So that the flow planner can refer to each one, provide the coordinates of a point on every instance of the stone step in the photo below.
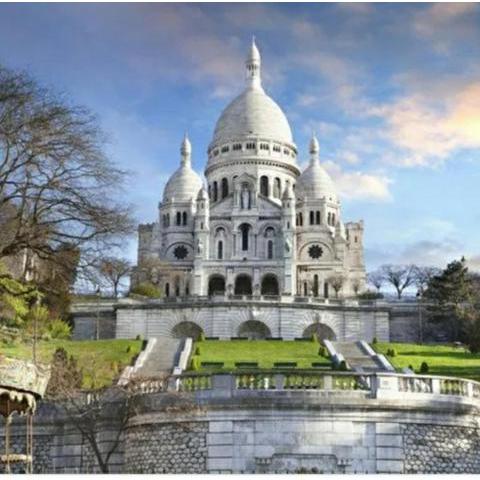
(357, 358)
(162, 358)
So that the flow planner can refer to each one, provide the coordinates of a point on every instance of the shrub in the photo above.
(138, 337)
(147, 290)
(369, 295)
(391, 352)
(58, 329)
(195, 364)
(322, 351)
(202, 337)
(129, 349)
(424, 367)
(375, 340)
(315, 338)
(342, 366)
(197, 351)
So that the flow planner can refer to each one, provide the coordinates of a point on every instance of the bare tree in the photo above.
(356, 284)
(336, 281)
(399, 276)
(114, 271)
(57, 187)
(423, 275)
(377, 279)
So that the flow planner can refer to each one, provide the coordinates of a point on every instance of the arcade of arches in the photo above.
(216, 285)
(187, 329)
(243, 285)
(254, 330)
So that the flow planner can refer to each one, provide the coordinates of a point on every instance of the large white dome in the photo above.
(253, 113)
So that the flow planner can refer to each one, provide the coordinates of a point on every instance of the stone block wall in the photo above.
(167, 448)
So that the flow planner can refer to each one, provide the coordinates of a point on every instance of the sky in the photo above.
(391, 90)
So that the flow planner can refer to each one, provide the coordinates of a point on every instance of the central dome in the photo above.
(253, 113)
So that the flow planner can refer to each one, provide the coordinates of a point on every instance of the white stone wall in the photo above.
(223, 320)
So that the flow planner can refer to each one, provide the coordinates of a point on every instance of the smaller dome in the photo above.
(202, 194)
(315, 182)
(185, 183)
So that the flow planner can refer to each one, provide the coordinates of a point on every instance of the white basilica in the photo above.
(259, 226)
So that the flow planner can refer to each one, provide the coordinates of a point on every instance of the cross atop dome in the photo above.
(253, 64)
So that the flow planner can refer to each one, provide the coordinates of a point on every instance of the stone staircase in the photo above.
(356, 356)
(162, 357)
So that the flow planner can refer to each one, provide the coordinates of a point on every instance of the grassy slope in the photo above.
(103, 357)
(441, 359)
(265, 352)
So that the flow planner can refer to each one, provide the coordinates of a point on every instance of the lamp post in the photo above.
(420, 319)
(97, 313)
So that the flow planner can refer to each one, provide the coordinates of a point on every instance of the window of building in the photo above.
(276, 148)
(179, 218)
(277, 188)
(264, 146)
(220, 250)
(224, 187)
(270, 249)
(315, 251)
(317, 218)
(264, 187)
(187, 289)
(215, 191)
(329, 218)
(168, 219)
(315, 285)
(180, 252)
(312, 217)
(167, 289)
(250, 146)
(225, 149)
(237, 146)
(184, 218)
(333, 219)
(216, 152)
(300, 219)
(286, 151)
(245, 230)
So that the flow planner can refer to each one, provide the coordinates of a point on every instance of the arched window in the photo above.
(224, 187)
(179, 218)
(277, 188)
(177, 287)
(270, 249)
(167, 289)
(300, 218)
(305, 289)
(325, 289)
(333, 219)
(209, 192)
(187, 289)
(329, 218)
(312, 217)
(220, 250)
(315, 285)
(317, 218)
(264, 185)
(215, 191)
(245, 230)
(184, 218)
(168, 219)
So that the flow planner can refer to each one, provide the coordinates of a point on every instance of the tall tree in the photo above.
(399, 276)
(423, 275)
(57, 187)
(377, 279)
(451, 295)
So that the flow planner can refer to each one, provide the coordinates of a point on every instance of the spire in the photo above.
(253, 65)
(186, 151)
(314, 149)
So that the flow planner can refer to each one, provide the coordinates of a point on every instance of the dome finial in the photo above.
(314, 148)
(186, 150)
(253, 64)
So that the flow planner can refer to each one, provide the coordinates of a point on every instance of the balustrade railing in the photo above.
(192, 383)
(454, 387)
(415, 384)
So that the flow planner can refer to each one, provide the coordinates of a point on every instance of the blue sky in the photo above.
(392, 90)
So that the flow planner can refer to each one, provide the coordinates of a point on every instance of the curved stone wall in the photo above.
(293, 431)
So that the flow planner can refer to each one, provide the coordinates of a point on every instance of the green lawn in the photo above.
(441, 359)
(265, 352)
(102, 358)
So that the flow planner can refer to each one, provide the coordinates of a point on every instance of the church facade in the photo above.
(257, 225)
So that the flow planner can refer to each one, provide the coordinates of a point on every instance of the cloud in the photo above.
(359, 185)
(427, 130)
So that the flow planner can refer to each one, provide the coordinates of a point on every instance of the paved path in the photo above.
(162, 357)
(357, 357)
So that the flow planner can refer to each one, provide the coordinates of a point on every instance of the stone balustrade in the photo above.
(375, 385)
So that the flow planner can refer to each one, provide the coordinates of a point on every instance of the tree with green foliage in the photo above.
(450, 294)
(146, 289)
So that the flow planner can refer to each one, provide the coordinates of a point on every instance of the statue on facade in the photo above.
(245, 198)
(199, 247)
(288, 246)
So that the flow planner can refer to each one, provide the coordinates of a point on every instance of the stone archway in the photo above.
(270, 285)
(187, 329)
(243, 285)
(253, 330)
(323, 332)
(216, 285)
